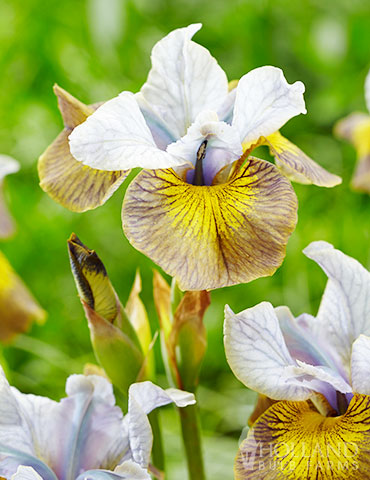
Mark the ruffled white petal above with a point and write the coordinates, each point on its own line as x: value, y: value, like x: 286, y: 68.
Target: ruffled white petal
x: 360, y: 365
x: 143, y: 398
x: 344, y: 311
x: 26, y: 473
x: 257, y: 353
x: 367, y: 91
x: 127, y: 470
x: 184, y: 80
x: 7, y: 166
x: 116, y: 137
x: 264, y: 102
x: 223, y: 145
x: 322, y: 374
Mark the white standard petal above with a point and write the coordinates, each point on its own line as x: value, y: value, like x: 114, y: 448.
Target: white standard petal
x: 7, y: 166
x: 344, y: 312
x: 116, y: 137
x: 264, y: 102
x: 360, y: 365
x: 367, y: 91
x: 143, y: 398
x: 184, y: 80
x: 257, y: 353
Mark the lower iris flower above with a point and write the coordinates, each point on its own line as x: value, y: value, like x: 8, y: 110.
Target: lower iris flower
x: 315, y: 370
x: 84, y: 436
x: 205, y: 211
x: 356, y: 129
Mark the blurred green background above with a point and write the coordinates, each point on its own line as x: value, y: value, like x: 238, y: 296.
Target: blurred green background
x: 97, y: 48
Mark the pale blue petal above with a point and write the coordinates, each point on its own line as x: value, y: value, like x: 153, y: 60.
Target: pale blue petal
x: 143, y: 398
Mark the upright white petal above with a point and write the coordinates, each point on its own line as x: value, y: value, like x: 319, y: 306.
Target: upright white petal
x: 7, y: 166
x: 93, y: 435
x: 257, y: 353
x: 24, y: 423
x: 344, y: 311
x: 265, y: 102
x: 116, y: 137
x: 143, y: 398
x: 360, y: 365
x: 184, y: 80
x: 23, y: 418
x: 367, y: 90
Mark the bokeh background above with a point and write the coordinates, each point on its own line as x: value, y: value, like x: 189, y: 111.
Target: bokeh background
x: 97, y: 48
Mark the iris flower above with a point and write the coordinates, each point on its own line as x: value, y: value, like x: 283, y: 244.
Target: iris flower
x: 356, y: 129
x: 317, y: 368
x: 7, y: 166
x: 84, y: 436
x: 18, y: 308
x: 207, y: 213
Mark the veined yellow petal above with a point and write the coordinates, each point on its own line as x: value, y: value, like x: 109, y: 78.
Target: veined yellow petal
x: 296, y: 165
x: 67, y: 181
x: 212, y: 236
x: 292, y: 441
x: 18, y: 309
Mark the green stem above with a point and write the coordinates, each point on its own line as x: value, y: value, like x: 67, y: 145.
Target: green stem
x: 190, y: 426
x: 157, y: 450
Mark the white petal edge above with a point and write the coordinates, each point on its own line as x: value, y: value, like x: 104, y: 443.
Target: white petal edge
x: 8, y: 165
x: 257, y: 353
x: 116, y: 137
x: 132, y: 470
x: 344, y: 311
x: 264, y: 102
x: 143, y: 398
x: 360, y: 365
x: 184, y: 80
x: 26, y: 473
x: 367, y: 90
x: 220, y: 136
x: 323, y: 374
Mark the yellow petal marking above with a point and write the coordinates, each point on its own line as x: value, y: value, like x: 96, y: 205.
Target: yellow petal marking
x: 292, y: 441
x: 212, y: 236
x: 296, y: 165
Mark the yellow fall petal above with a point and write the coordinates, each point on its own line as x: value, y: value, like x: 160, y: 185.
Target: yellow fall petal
x: 67, y: 181
x: 296, y: 165
x: 18, y: 309
x: 292, y: 441
x: 212, y: 236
